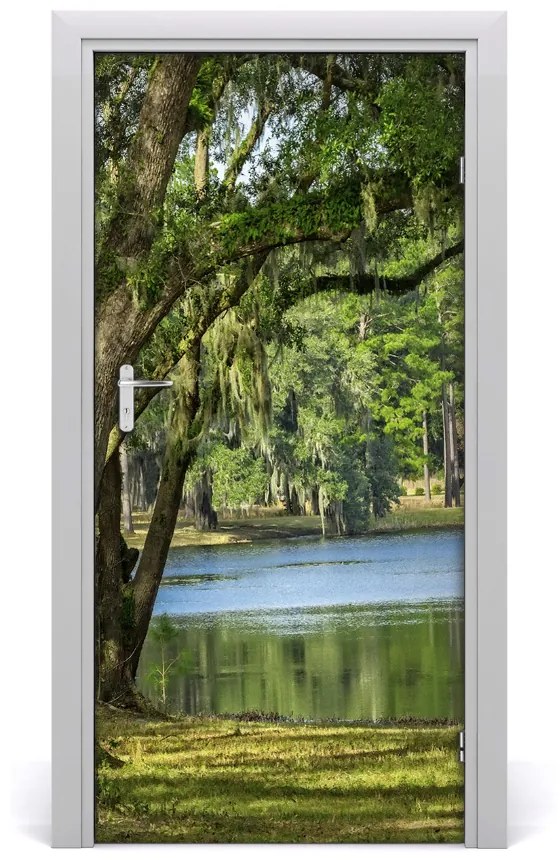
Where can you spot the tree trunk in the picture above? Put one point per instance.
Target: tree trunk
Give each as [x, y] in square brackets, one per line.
[427, 489]
[113, 568]
[295, 507]
[456, 480]
[126, 504]
[124, 606]
[201, 163]
[121, 326]
[285, 492]
[448, 500]
[142, 503]
[150, 570]
[335, 513]
[322, 510]
[205, 517]
[363, 326]
[151, 155]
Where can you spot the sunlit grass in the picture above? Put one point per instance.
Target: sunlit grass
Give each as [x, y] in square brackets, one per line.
[410, 516]
[412, 513]
[222, 780]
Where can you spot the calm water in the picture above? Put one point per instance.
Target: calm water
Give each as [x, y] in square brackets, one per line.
[354, 628]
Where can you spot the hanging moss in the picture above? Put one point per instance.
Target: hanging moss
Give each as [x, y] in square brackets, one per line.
[240, 365]
[358, 253]
[368, 207]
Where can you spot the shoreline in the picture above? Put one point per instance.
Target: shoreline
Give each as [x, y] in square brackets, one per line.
[405, 722]
[404, 519]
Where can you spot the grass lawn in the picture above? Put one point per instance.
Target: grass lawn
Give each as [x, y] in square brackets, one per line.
[410, 517]
[411, 514]
[212, 779]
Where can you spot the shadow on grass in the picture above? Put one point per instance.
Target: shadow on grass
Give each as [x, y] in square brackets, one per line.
[254, 787]
[280, 784]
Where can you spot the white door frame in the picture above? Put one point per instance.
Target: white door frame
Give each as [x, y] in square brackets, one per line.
[483, 38]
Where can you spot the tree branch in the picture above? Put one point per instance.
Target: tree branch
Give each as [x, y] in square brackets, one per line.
[365, 284]
[302, 218]
[201, 163]
[326, 70]
[325, 216]
[221, 301]
[228, 298]
[245, 148]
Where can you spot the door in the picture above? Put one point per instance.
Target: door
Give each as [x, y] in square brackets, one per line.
[279, 549]
[281, 623]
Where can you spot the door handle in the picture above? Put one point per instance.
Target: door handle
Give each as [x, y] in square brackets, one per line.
[127, 384]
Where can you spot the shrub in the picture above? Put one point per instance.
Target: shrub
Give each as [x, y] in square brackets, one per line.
[437, 489]
[419, 491]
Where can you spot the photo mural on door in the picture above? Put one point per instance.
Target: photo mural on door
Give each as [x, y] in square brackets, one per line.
[279, 539]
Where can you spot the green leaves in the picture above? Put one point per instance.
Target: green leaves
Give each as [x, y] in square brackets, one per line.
[238, 477]
[421, 124]
[171, 662]
[313, 215]
[162, 630]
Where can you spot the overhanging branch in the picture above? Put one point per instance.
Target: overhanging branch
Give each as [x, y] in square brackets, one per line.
[327, 216]
[367, 283]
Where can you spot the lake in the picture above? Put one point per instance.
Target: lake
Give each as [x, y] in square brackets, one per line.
[367, 627]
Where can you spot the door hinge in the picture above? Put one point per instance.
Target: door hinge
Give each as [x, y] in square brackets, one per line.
[462, 170]
[461, 751]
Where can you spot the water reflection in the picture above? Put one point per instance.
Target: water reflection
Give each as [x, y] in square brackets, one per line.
[358, 628]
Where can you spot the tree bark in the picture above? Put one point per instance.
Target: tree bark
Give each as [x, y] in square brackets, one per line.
[151, 156]
[456, 480]
[448, 498]
[322, 509]
[205, 517]
[427, 488]
[126, 502]
[154, 555]
[296, 508]
[335, 513]
[243, 151]
[114, 681]
[201, 163]
[290, 497]
[141, 485]
[142, 491]
[121, 331]
[363, 326]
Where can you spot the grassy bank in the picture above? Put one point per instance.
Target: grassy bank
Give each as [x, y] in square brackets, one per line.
[222, 780]
[410, 515]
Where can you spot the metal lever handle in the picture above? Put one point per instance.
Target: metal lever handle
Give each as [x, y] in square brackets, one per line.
[145, 383]
[127, 384]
